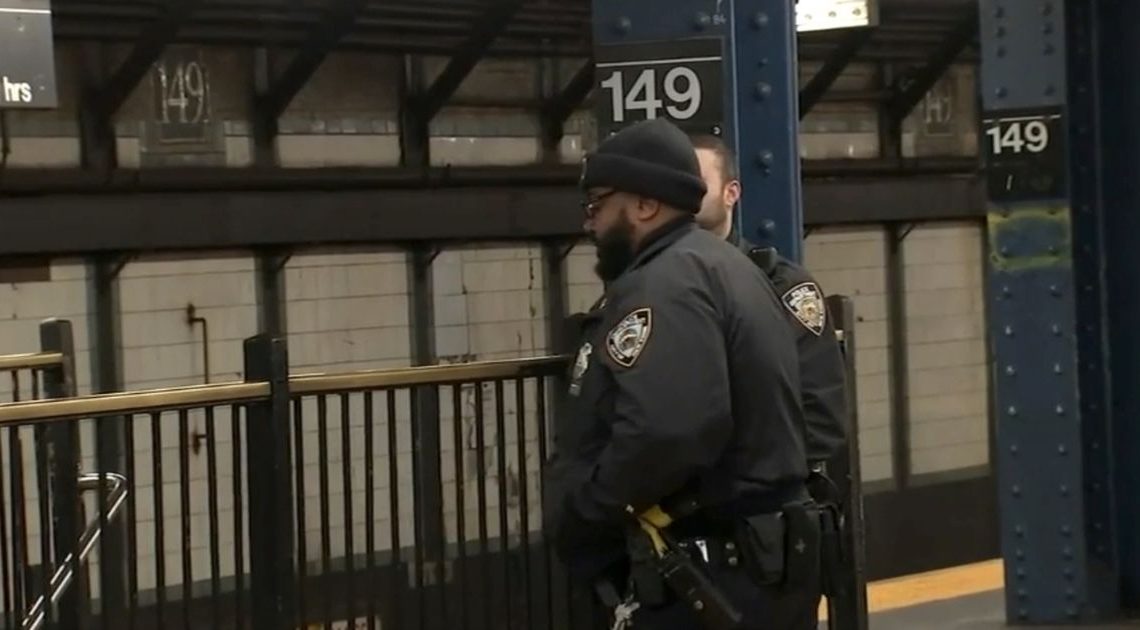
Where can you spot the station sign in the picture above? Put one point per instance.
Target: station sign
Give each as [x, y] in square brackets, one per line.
[27, 55]
[1024, 153]
[681, 80]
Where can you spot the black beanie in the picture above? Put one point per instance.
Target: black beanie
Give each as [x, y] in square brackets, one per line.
[652, 158]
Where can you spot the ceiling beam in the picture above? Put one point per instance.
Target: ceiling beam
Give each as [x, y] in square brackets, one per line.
[111, 95]
[836, 63]
[335, 24]
[916, 86]
[488, 27]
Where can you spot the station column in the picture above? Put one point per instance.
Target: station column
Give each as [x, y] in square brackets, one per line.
[725, 67]
[1060, 139]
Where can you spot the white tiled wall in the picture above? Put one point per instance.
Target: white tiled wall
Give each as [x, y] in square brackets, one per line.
[24, 305]
[325, 126]
[489, 302]
[160, 347]
[852, 261]
[347, 310]
[946, 353]
[582, 284]
[489, 305]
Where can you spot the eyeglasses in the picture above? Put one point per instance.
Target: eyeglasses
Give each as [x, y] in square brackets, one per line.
[591, 206]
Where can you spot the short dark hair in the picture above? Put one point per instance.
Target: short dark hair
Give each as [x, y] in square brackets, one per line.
[718, 146]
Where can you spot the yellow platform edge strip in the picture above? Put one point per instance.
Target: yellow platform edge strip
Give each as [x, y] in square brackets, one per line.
[932, 586]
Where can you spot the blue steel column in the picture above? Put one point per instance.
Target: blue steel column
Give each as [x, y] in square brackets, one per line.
[766, 126]
[1110, 91]
[1046, 269]
[760, 99]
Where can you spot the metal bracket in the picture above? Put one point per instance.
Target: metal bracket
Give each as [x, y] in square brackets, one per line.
[277, 262]
[424, 252]
[117, 264]
[565, 250]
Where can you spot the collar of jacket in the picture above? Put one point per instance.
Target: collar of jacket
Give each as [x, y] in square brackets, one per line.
[658, 240]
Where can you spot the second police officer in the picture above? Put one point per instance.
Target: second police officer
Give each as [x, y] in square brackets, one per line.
[822, 370]
[823, 378]
[684, 401]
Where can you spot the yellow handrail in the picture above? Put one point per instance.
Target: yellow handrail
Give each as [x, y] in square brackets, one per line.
[131, 402]
[10, 362]
[302, 384]
[424, 375]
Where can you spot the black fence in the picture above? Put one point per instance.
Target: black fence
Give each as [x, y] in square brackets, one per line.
[384, 499]
[33, 476]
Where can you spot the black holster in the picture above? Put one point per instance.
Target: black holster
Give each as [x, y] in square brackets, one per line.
[831, 549]
[832, 553]
[647, 581]
[782, 548]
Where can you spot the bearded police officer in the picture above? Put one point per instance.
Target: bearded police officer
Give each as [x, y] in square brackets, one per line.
[683, 423]
[822, 372]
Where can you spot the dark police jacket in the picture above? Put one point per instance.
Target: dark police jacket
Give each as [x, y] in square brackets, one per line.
[822, 371]
[685, 380]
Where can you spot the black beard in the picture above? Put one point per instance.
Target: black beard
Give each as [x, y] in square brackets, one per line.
[615, 251]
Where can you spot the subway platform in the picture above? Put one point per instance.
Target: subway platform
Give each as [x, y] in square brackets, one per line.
[967, 597]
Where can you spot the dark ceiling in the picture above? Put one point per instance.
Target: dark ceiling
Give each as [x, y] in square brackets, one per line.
[910, 29]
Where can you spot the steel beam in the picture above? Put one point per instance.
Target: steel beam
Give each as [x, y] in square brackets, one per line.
[909, 94]
[102, 97]
[555, 112]
[52, 181]
[333, 26]
[484, 32]
[155, 38]
[1059, 95]
[561, 107]
[826, 76]
[331, 214]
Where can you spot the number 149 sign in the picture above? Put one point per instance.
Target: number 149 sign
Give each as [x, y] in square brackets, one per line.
[681, 81]
[1024, 151]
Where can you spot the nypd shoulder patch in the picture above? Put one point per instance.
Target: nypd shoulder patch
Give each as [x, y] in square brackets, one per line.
[805, 301]
[627, 339]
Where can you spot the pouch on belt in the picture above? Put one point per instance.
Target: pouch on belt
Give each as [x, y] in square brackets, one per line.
[802, 545]
[762, 547]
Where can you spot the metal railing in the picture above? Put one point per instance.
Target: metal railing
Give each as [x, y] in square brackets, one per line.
[405, 498]
[68, 567]
[440, 527]
[29, 512]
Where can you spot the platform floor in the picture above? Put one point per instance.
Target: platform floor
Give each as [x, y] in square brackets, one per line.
[969, 597]
[983, 611]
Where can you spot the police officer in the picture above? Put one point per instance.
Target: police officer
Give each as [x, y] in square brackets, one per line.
[822, 370]
[684, 392]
